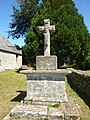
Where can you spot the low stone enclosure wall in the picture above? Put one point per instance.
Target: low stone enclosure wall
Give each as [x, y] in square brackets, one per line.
[80, 81]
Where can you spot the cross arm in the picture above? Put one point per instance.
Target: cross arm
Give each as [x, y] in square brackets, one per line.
[41, 28]
[52, 28]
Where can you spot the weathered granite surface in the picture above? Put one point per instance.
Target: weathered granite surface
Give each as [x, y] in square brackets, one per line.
[64, 111]
[46, 29]
[59, 72]
[46, 86]
[46, 91]
[46, 63]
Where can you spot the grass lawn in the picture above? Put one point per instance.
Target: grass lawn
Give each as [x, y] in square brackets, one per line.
[13, 83]
[10, 84]
[84, 110]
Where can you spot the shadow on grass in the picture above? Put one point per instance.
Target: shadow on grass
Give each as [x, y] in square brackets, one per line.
[20, 97]
[80, 94]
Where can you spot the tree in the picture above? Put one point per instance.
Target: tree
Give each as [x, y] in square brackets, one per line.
[71, 40]
[22, 16]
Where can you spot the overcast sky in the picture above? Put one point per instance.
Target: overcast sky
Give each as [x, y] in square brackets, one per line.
[83, 7]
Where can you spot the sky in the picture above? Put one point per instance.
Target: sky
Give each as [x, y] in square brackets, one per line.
[6, 10]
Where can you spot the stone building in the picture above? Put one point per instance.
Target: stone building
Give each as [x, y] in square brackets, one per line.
[10, 56]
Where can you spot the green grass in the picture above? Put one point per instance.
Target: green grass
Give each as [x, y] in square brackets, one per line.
[84, 110]
[11, 82]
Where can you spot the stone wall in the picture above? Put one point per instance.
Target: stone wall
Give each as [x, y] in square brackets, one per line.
[10, 61]
[81, 81]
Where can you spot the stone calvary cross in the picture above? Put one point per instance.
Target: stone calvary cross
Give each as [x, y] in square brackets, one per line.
[46, 30]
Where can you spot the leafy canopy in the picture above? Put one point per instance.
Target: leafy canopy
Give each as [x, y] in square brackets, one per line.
[71, 40]
[22, 16]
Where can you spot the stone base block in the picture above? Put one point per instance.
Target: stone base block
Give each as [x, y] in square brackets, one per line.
[64, 111]
[46, 91]
[46, 62]
[48, 88]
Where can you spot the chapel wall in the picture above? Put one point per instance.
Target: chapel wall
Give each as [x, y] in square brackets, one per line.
[19, 61]
[9, 61]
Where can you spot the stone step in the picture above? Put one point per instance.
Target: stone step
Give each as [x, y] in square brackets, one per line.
[62, 111]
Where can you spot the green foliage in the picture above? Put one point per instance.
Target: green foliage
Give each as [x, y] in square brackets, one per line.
[22, 16]
[43, 119]
[71, 40]
[54, 105]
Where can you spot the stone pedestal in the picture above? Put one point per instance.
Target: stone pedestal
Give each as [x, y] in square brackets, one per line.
[40, 91]
[46, 86]
[46, 62]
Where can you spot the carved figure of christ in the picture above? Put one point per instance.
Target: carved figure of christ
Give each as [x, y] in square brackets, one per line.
[47, 28]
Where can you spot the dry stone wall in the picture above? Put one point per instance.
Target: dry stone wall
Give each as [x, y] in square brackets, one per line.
[81, 81]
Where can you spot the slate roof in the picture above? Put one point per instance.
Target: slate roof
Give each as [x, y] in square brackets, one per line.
[6, 45]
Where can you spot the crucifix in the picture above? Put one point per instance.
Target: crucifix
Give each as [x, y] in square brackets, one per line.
[47, 28]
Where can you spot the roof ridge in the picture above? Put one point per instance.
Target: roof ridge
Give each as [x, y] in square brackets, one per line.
[8, 42]
[6, 45]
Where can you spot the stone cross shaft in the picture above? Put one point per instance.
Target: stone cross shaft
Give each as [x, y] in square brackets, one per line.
[47, 28]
